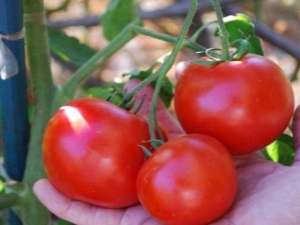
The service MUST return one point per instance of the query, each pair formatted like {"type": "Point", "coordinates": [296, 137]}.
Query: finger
{"type": "Point", "coordinates": [164, 115]}
{"type": "Point", "coordinates": [81, 213]}
{"type": "Point", "coordinates": [296, 133]}
{"type": "Point", "coordinates": [73, 211]}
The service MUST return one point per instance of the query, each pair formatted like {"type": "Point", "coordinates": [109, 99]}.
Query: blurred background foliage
{"type": "Point", "coordinates": [81, 19]}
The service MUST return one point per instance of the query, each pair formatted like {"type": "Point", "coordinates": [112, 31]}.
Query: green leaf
{"type": "Point", "coordinates": [240, 26]}
{"type": "Point", "coordinates": [118, 14]}
{"type": "Point", "coordinates": [109, 91]}
{"type": "Point", "coordinates": [166, 91]}
{"type": "Point", "coordinates": [68, 48]}
{"type": "Point", "coordinates": [281, 150]}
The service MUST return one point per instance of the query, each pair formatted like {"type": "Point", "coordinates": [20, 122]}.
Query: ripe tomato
{"type": "Point", "coordinates": [190, 180]}
{"type": "Point", "coordinates": [245, 104]}
{"type": "Point", "coordinates": [92, 153]}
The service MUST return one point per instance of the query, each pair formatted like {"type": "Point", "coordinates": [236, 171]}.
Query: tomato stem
{"type": "Point", "coordinates": [68, 90]}
{"type": "Point", "coordinates": [195, 36]}
{"type": "Point", "coordinates": [189, 43]}
{"type": "Point", "coordinates": [9, 200]}
{"type": "Point", "coordinates": [41, 80]}
{"type": "Point", "coordinates": [70, 87]}
{"type": "Point", "coordinates": [165, 68]}
{"type": "Point", "coordinates": [241, 51]}
{"type": "Point", "coordinates": [222, 29]}
{"type": "Point", "coordinates": [146, 151]}
{"type": "Point", "coordinates": [162, 71]}
{"type": "Point", "coordinates": [37, 49]}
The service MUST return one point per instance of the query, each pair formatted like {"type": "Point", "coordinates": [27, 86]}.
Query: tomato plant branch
{"type": "Point", "coordinates": [41, 81]}
{"type": "Point", "coordinates": [68, 90]}
{"type": "Point", "coordinates": [195, 36]}
{"type": "Point", "coordinates": [162, 71]}
{"type": "Point", "coordinates": [8, 200]}
{"type": "Point", "coordinates": [116, 44]}
{"type": "Point", "coordinates": [78, 78]}
{"type": "Point", "coordinates": [189, 43]}
{"type": "Point", "coordinates": [222, 30]}
{"type": "Point", "coordinates": [42, 91]}
{"type": "Point", "coordinates": [186, 43]}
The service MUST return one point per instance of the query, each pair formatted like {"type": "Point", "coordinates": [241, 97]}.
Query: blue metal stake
{"type": "Point", "coordinates": [13, 98]}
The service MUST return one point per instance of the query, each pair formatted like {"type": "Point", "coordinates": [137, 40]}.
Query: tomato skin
{"type": "Point", "coordinates": [190, 180]}
{"type": "Point", "coordinates": [91, 152]}
{"type": "Point", "coordinates": [244, 104]}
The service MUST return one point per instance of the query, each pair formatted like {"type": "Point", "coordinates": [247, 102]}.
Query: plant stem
{"type": "Point", "coordinates": [8, 200]}
{"type": "Point", "coordinates": [43, 89]}
{"type": "Point", "coordinates": [80, 76]}
{"type": "Point", "coordinates": [41, 80]}
{"type": "Point", "coordinates": [195, 36]}
{"type": "Point", "coordinates": [190, 43]}
{"type": "Point", "coordinates": [223, 30]}
{"type": "Point", "coordinates": [162, 71]}
{"type": "Point", "coordinates": [185, 43]}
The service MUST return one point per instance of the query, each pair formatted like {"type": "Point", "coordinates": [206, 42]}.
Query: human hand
{"type": "Point", "coordinates": [268, 193]}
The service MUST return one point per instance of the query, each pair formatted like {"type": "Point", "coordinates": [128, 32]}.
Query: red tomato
{"type": "Point", "coordinates": [244, 104]}
{"type": "Point", "coordinates": [190, 180]}
{"type": "Point", "coordinates": [92, 153]}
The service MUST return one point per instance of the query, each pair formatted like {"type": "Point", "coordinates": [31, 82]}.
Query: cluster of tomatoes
{"type": "Point", "coordinates": [92, 148]}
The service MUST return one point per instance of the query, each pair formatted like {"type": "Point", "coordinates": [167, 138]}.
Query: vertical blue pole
{"type": "Point", "coordinates": [13, 99]}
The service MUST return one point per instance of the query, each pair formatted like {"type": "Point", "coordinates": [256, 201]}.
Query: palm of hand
{"type": "Point", "coordinates": [266, 189]}
{"type": "Point", "coordinates": [268, 193]}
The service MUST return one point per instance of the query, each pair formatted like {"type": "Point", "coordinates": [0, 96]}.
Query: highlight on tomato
{"type": "Point", "coordinates": [245, 104]}
{"type": "Point", "coordinates": [189, 180]}
{"type": "Point", "coordinates": [92, 153]}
